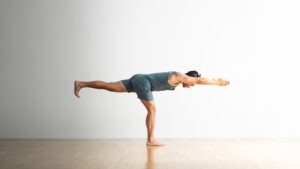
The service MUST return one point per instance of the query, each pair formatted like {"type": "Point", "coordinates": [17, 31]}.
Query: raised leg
{"type": "Point", "coordinates": [109, 86]}
{"type": "Point", "coordinates": [150, 123]}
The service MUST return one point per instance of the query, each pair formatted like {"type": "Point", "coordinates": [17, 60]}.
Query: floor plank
{"type": "Point", "coordinates": [134, 154]}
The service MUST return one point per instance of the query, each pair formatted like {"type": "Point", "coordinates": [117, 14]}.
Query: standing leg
{"type": "Point", "coordinates": [110, 86]}
{"type": "Point", "coordinates": [150, 123]}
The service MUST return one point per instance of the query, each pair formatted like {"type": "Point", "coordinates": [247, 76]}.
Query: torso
{"type": "Point", "coordinates": [161, 80]}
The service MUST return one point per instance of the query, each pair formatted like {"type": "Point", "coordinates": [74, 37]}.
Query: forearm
{"type": "Point", "coordinates": [205, 81]}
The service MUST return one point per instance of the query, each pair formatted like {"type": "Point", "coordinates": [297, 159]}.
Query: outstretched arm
{"type": "Point", "coordinates": [205, 81]}
{"type": "Point", "coordinates": [182, 78]}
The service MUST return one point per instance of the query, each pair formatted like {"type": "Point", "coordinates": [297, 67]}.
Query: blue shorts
{"type": "Point", "coordinates": [140, 85]}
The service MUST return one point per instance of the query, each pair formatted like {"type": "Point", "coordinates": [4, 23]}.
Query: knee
{"type": "Point", "coordinates": [152, 111]}
{"type": "Point", "coordinates": [109, 87]}
{"type": "Point", "coordinates": [150, 106]}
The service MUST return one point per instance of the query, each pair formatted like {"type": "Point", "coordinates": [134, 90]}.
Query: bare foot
{"type": "Point", "coordinates": [154, 143]}
{"type": "Point", "coordinates": [77, 88]}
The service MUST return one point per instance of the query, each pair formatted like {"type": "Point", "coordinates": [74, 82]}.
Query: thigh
{"type": "Point", "coordinates": [117, 86]}
{"type": "Point", "coordinates": [142, 87]}
{"type": "Point", "coordinates": [144, 94]}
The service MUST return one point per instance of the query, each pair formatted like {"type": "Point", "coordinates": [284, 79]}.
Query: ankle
{"type": "Point", "coordinates": [150, 139]}
{"type": "Point", "coordinates": [81, 84]}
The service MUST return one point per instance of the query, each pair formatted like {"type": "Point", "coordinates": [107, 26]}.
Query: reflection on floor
{"type": "Point", "coordinates": [134, 154]}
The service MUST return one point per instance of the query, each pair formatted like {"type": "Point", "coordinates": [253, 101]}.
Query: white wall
{"type": "Point", "coordinates": [46, 45]}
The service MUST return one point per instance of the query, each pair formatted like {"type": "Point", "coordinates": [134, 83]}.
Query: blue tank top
{"type": "Point", "coordinates": [159, 81]}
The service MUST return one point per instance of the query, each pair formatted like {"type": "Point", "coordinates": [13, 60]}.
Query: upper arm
{"type": "Point", "coordinates": [182, 78]}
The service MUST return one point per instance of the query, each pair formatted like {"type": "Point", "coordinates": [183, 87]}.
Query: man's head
{"type": "Point", "coordinates": [192, 73]}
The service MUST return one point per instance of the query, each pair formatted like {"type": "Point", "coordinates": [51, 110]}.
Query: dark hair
{"type": "Point", "coordinates": [193, 73]}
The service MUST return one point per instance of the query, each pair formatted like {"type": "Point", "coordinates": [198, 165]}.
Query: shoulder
{"type": "Point", "coordinates": [183, 78]}
{"type": "Point", "coordinates": [180, 77]}
{"type": "Point", "coordinates": [179, 74]}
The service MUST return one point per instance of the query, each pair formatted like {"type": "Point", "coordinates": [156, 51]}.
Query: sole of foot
{"type": "Point", "coordinates": [76, 88]}
{"type": "Point", "coordinates": [155, 143]}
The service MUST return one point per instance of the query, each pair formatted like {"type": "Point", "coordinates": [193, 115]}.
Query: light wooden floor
{"type": "Point", "coordinates": [133, 154]}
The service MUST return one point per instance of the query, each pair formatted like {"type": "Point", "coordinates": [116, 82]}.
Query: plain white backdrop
{"type": "Point", "coordinates": [46, 45]}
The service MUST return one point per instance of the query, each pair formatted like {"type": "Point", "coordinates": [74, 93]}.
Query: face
{"type": "Point", "coordinates": [186, 85]}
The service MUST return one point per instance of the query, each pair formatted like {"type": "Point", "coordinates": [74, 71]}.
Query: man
{"type": "Point", "coordinates": [144, 84]}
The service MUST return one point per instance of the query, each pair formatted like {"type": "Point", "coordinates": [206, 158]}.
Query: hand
{"type": "Point", "coordinates": [222, 82]}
